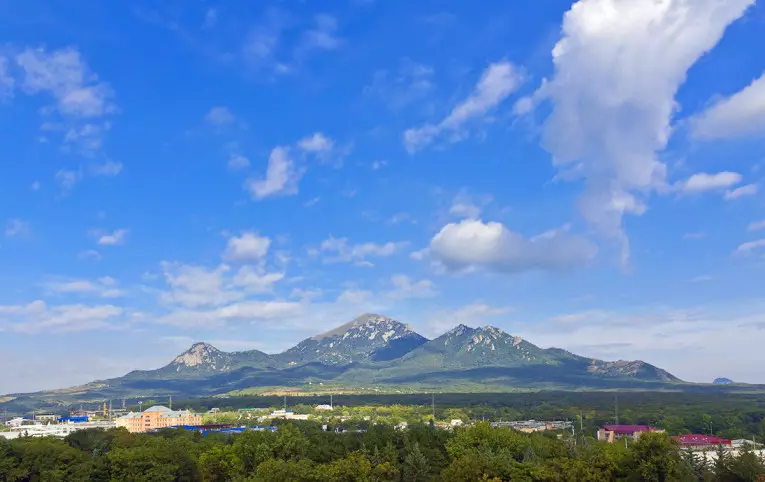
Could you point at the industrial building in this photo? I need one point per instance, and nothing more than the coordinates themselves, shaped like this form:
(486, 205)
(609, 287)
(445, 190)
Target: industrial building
(701, 442)
(611, 433)
(156, 417)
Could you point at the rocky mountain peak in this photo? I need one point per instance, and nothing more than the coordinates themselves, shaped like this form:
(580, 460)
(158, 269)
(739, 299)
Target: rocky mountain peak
(370, 326)
(458, 330)
(200, 355)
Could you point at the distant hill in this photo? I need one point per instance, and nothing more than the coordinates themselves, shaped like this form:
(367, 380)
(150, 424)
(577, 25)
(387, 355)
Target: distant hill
(722, 381)
(376, 351)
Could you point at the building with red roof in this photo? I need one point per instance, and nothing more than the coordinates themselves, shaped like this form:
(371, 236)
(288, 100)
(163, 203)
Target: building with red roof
(610, 433)
(701, 442)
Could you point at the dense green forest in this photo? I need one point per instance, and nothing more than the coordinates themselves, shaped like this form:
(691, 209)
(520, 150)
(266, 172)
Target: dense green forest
(303, 452)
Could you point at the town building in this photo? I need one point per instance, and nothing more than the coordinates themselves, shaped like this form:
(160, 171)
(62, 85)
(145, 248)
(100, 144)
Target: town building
(611, 433)
(701, 442)
(323, 407)
(46, 417)
(288, 415)
(156, 417)
(15, 422)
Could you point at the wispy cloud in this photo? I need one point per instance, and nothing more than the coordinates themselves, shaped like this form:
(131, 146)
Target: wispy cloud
(498, 81)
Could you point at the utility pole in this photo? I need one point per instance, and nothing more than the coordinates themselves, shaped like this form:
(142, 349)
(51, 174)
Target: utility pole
(171, 402)
(110, 410)
(285, 403)
(331, 407)
(616, 407)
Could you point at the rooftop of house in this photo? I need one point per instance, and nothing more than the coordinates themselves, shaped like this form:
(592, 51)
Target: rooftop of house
(627, 429)
(695, 439)
(157, 408)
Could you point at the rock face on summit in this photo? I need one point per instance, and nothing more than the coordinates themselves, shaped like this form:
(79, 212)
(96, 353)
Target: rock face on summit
(201, 357)
(369, 337)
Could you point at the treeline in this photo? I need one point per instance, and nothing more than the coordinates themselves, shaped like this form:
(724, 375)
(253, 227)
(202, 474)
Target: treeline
(728, 415)
(303, 452)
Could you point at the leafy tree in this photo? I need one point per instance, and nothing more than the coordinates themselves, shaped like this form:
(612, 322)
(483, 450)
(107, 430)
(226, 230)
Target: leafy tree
(219, 464)
(416, 466)
(277, 470)
(747, 466)
(8, 461)
(654, 457)
(353, 468)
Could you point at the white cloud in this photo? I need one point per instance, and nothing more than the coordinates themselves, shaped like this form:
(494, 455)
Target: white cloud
(281, 177)
(404, 287)
(256, 280)
(472, 244)
(323, 36)
(756, 225)
(17, 228)
(312, 202)
(618, 66)
(411, 82)
(740, 115)
(498, 81)
(108, 168)
(65, 76)
(274, 310)
(341, 251)
(67, 179)
(749, 247)
(248, 247)
(702, 182)
(113, 239)
(739, 192)
(238, 162)
(88, 137)
(219, 115)
(38, 317)
(466, 206)
(6, 81)
(192, 286)
(400, 218)
(89, 254)
(263, 42)
(196, 286)
(317, 143)
(104, 287)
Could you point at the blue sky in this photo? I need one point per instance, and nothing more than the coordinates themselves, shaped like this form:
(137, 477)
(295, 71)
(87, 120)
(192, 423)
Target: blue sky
(587, 175)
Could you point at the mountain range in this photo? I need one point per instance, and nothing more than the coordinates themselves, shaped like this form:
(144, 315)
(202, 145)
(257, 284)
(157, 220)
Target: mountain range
(374, 351)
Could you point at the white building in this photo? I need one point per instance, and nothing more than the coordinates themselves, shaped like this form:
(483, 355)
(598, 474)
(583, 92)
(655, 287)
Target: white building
(323, 407)
(288, 414)
(15, 422)
(46, 417)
